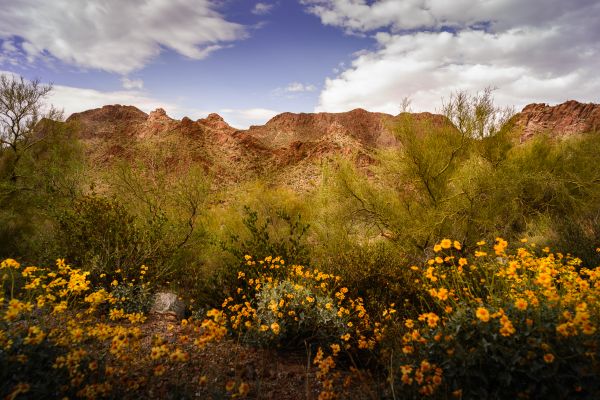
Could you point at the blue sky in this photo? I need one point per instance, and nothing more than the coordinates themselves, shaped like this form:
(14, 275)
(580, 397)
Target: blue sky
(249, 60)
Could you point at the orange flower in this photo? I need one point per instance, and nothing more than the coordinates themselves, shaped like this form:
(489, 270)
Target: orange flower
(483, 314)
(521, 304)
(446, 243)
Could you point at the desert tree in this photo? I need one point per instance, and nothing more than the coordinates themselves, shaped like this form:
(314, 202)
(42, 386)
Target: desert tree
(41, 168)
(476, 115)
(430, 185)
(22, 108)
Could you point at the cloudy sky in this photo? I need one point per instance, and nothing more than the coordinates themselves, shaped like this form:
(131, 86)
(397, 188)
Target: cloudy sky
(249, 60)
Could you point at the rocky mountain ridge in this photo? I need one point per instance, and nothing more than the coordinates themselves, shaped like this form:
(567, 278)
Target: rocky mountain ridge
(568, 118)
(296, 142)
(286, 129)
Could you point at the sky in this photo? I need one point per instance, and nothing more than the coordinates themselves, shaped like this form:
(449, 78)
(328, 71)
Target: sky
(249, 60)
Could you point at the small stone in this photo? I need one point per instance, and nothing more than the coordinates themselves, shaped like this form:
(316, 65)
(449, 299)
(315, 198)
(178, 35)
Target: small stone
(168, 304)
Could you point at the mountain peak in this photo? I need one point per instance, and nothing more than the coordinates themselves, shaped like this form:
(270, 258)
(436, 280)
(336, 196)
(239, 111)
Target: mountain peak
(158, 114)
(568, 118)
(215, 121)
(108, 121)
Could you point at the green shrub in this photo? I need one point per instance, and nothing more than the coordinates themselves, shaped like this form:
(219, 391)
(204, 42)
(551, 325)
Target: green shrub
(262, 236)
(378, 273)
(264, 239)
(102, 237)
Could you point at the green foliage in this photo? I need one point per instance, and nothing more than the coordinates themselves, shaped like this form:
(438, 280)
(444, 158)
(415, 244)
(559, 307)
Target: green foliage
(101, 236)
(487, 365)
(263, 239)
(476, 115)
(377, 273)
(51, 174)
(38, 369)
(261, 235)
(136, 297)
(441, 184)
(578, 234)
(170, 211)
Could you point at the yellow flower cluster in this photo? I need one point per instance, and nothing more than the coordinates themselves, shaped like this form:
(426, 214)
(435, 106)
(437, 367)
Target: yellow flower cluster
(86, 333)
(280, 304)
(273, 299)
(427, 376)
(510, 294)
(325, 366)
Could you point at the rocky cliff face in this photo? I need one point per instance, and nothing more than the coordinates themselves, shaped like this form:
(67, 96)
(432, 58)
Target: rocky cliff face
(565, 119)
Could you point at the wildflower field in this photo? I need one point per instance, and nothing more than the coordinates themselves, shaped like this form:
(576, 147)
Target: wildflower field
(507, 321)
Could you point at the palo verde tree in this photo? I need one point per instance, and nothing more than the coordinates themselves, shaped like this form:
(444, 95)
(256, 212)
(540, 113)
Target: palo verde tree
(476, 115)
(37, 163)
(21, 109)
(433, 183)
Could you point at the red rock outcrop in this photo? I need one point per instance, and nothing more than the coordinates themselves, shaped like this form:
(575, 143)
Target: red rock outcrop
(370, 129)
(108, 121)
(157, 122)
(565, 119)
(215, 121)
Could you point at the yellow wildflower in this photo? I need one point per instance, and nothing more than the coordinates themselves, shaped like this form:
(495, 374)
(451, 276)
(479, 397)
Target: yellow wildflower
(483, 314)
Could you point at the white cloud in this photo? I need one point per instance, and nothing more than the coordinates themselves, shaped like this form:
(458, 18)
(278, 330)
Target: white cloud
(262, 8)
(114, 35)
(299, 87)
(497, 15)
(293, 90)
(539, 50)
(132, 83)
(243, 118)
(9, 53)
(74, 99)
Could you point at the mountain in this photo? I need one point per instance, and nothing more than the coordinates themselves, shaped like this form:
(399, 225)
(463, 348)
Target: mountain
(296, 144)
(568, 118)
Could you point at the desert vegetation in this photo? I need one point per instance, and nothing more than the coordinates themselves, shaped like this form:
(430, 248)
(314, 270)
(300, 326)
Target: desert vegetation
(458, 263)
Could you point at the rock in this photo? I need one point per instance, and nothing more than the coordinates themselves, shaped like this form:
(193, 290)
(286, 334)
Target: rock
(568, 118)
(158, 114)
(215, 121)
(168, 304)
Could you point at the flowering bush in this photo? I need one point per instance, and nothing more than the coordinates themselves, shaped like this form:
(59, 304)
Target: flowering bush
(58, 337)
(287, 306)
(504, 325)
(500, 323)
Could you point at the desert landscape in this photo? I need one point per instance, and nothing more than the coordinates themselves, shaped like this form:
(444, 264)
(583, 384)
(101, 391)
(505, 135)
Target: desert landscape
(167, 240)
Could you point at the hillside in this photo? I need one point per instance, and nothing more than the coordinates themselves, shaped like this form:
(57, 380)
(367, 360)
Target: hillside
(290, 147)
